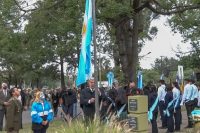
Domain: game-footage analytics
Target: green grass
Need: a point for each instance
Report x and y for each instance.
(59, 126)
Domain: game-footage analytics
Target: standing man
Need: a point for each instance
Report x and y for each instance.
(194, 97)
(13, 112)
(87, 99)
(161, 98)
(177, 108)
(4, 97)
(187, 100)
(198, 96)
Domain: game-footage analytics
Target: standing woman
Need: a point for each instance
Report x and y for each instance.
(177, 107)
(169, 111)
(13, 112)
(41, 113)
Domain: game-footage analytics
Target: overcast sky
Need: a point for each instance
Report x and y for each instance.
(162, 45)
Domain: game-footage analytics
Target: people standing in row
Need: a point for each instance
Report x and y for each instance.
(13, 112)
(41, 113)
(161, 103)
(4, 97)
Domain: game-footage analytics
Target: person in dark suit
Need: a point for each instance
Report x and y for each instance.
(13, 112)
(170, 109)
(87, 100)
(4, 97)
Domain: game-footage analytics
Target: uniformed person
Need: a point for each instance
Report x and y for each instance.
(177, 107)
(161, 104)
(13, 112)
(187, 100)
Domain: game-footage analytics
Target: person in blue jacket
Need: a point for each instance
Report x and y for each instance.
(41, 113)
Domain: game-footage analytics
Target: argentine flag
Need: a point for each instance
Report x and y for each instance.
(84, 68)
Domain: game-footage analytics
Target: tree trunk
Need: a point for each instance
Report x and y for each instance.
(127, 36)
(62, 77)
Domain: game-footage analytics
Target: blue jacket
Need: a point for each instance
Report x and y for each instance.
(41, 112)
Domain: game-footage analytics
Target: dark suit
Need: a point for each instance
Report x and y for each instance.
(152, 97)
(3, 99)
(88, 108)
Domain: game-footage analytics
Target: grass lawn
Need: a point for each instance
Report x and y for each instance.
(55, 127)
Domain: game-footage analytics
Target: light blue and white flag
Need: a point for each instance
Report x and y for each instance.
(110, 77)
(162, 77)
(139, 79)
(84, 68)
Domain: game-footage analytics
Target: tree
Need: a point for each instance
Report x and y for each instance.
(165, 65)
(55, 33)
(128, 22)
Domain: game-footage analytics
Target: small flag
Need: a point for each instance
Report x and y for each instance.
(110, 77)
(177, 78)
(162, 77)
(139, 78)
(84, 68)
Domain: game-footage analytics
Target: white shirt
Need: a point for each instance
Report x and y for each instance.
(161, 93)
(5, 92)
(194, 92)
(187, 93)
(176, 92)
(199, 98)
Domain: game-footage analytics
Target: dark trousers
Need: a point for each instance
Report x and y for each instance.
(154, 123)
(43, 130)
(170, 122)
(189, 108)
(2, 114)
(177, 118)
(163, 117)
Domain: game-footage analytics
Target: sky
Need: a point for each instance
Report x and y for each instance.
(162, 45)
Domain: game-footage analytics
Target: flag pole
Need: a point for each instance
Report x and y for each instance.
(95, 60)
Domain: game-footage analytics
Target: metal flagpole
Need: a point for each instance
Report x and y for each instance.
(95, 60)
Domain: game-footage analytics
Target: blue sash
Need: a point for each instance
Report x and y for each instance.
(177, 101)
(120, 110)
(150, 112)
(166, 112)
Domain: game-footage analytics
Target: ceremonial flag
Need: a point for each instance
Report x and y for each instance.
(162, 77)
(139, 78)
(110, 77)
(181, 77)
(177, 78)
(84, 68)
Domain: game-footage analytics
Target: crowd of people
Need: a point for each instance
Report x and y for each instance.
(164, 99)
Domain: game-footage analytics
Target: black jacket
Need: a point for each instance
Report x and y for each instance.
(88, 109)
(152, 97)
